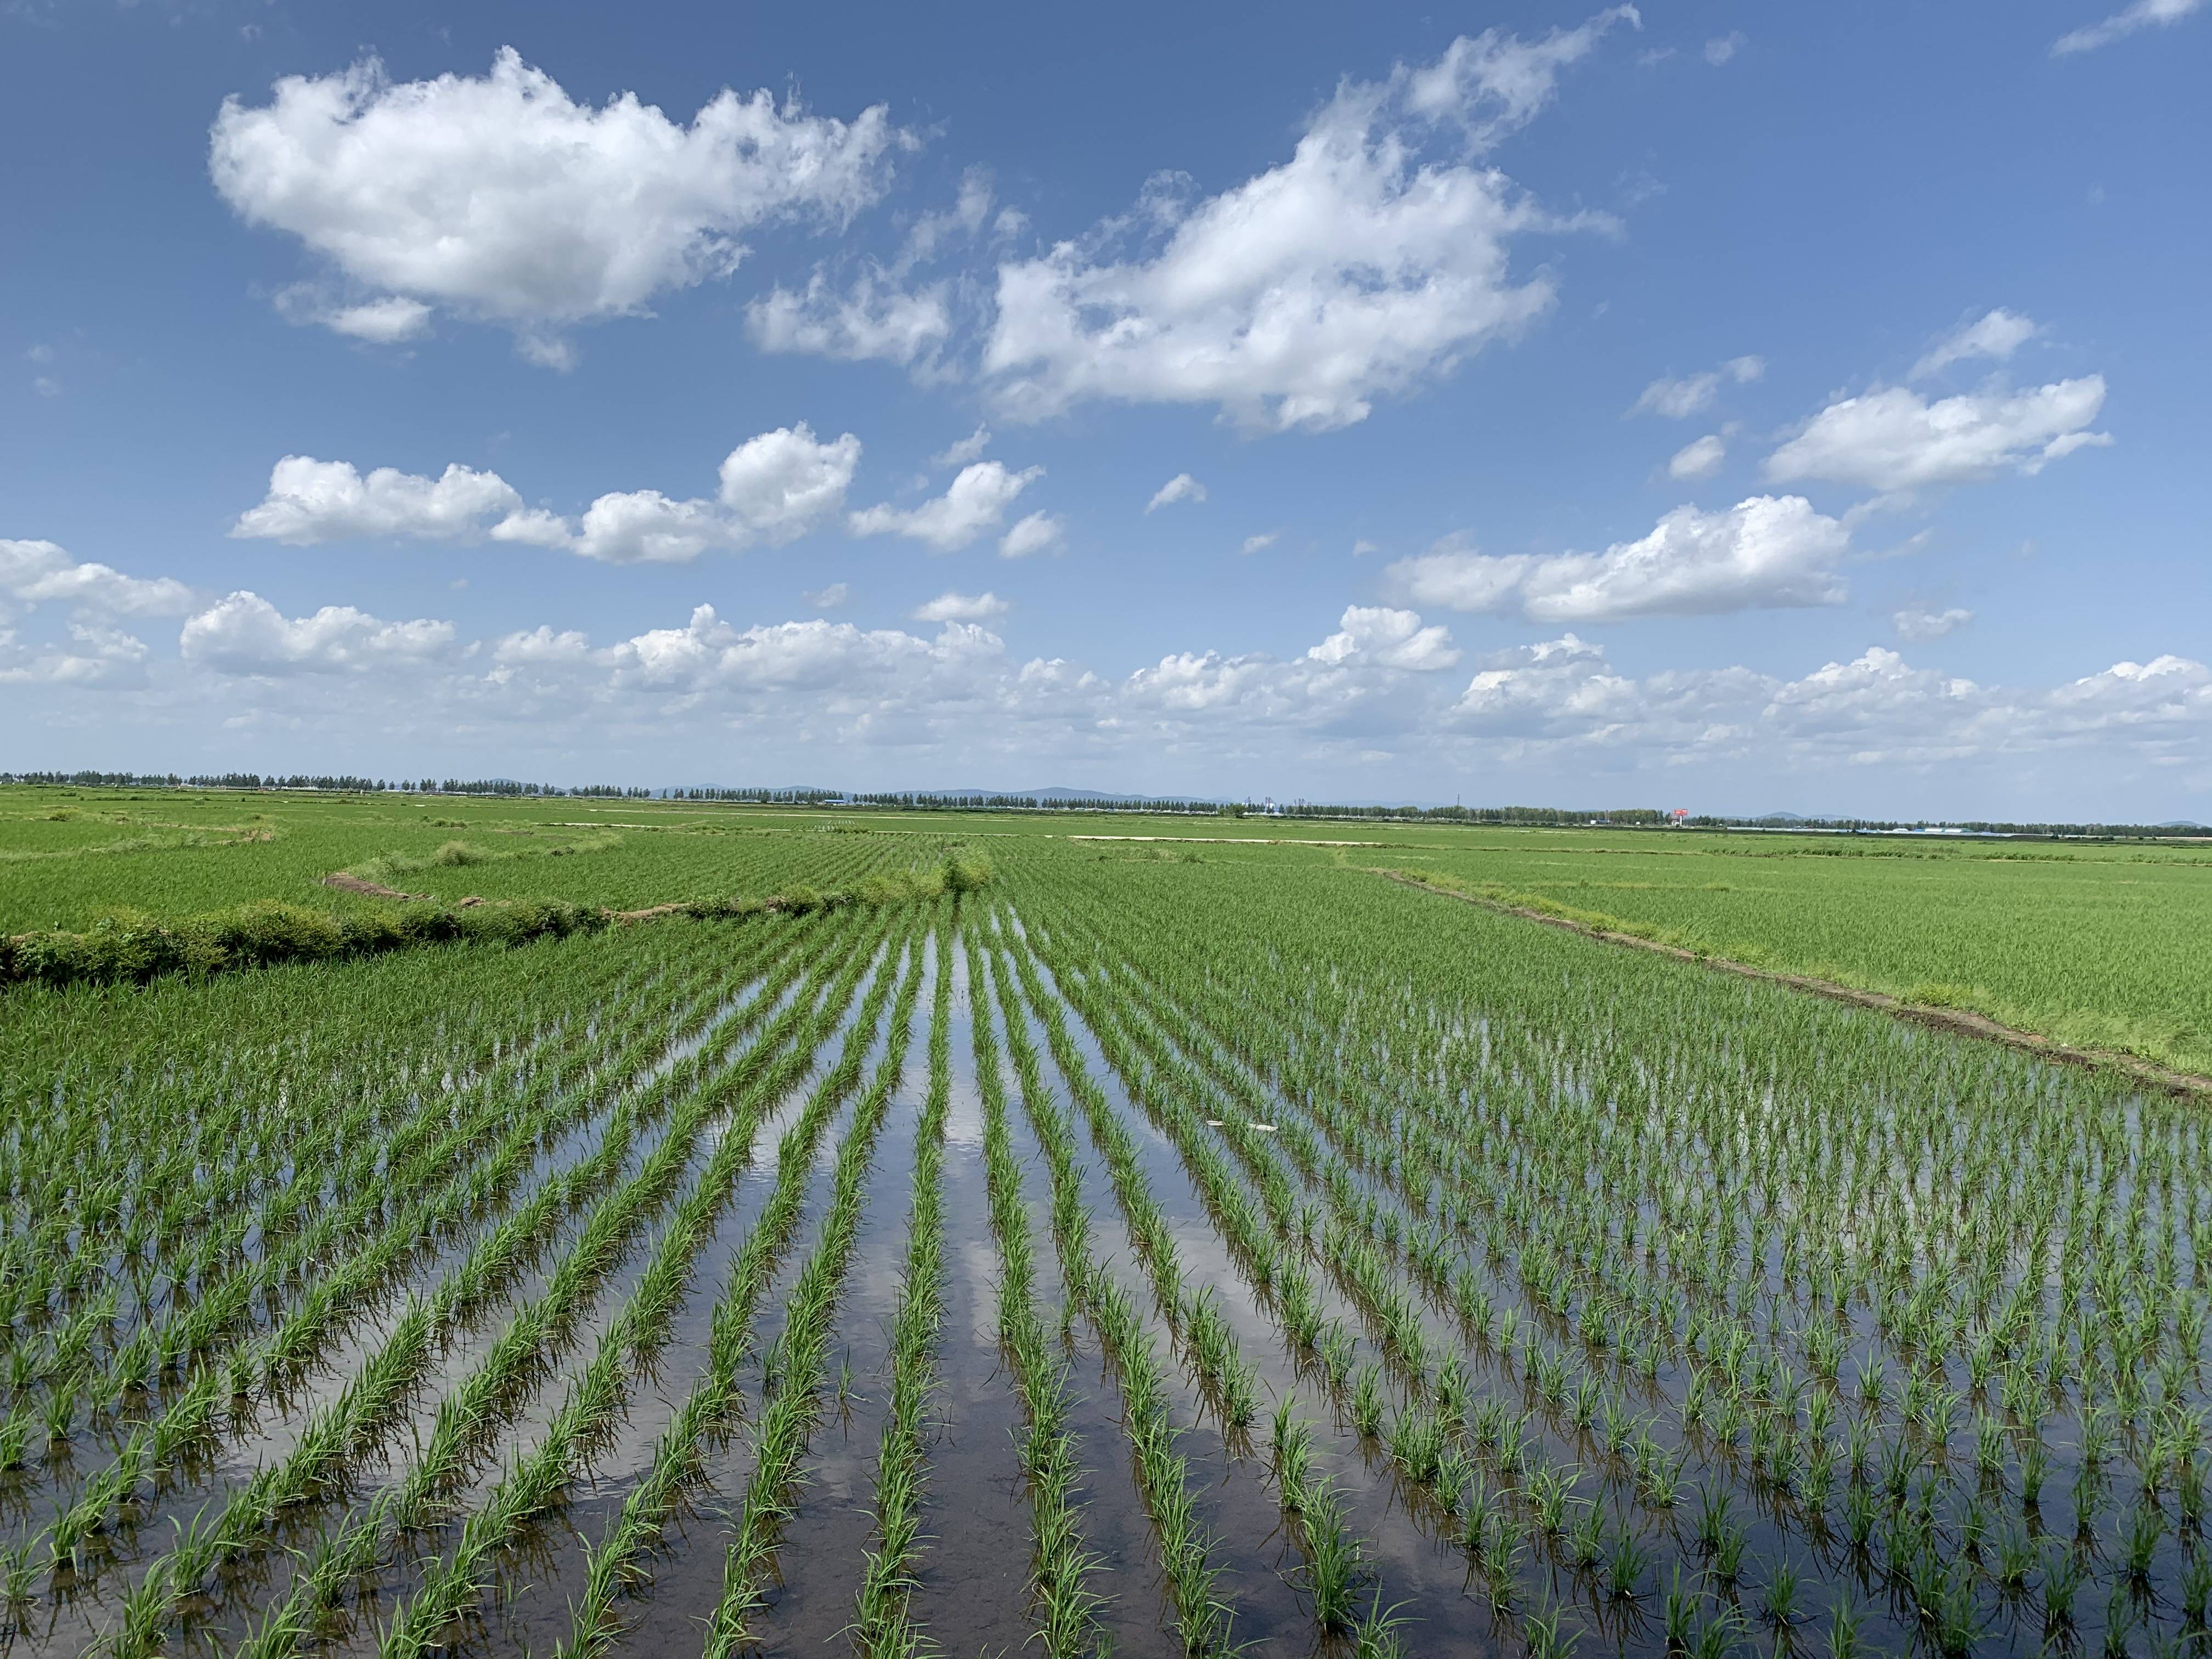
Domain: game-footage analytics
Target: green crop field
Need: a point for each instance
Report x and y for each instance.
(2098, 944)
(936, 1234)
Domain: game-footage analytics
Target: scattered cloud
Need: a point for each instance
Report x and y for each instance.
(1893, 440)
(871, 309)
(969, 448)
(500, 197)
(775, 487)
(1693, 393)
(1698, 459)
(961, 607)
(1919, 626)
(1391, 639)
(35, 573)
(1765, 553)
(872, 318)
(829, 597)
(1721, 48)
(1996, 334)
(1181, 487)
(975, 502)
(1363, 267)
(1262, 541)
(243, 633)
(1037, 533)
(2144, 14)
(379, 321)
(1493, 84)
(1361, 548)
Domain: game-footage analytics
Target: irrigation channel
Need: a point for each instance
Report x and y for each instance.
(1125, 1257)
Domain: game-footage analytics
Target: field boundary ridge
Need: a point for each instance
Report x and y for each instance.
(1959, 1021)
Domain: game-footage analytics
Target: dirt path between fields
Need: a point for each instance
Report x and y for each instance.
(1958, 1021)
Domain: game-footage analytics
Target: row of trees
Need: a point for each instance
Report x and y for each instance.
(1637, 817)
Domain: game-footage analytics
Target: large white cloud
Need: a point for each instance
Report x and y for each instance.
(243, 633)
(1892, 439)
(976, 502)
(311, 500)
(1359, 268)
(35, 573)
(1764, 552)
(775, 487)
(499, 197)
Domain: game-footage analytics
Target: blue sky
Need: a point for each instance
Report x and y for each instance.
(1731, 407)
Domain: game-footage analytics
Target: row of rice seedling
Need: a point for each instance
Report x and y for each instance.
(1204, 1621)
(794, 1364)
(351, 1427)
(882, 1623)
(99, 1519)
(1064, 1571)
(1906, 1207)
(220, 1191)
(535, 1479)
(450, 1183)
(618, 1562)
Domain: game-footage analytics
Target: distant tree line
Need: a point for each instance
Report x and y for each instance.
(1625, 817)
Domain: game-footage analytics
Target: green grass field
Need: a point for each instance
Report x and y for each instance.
(2095, 944)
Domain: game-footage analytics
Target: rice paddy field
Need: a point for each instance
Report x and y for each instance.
(1084, 1246)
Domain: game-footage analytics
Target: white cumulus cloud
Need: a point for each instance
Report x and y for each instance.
(499, 197)
(976, 502)
(243, 633)
(1388, 638)
(1181, 487)
(311, 500)
(1360, 268)
(775, 487)
(33, 573)
(1996, 334)
(1260, 543)
(1766, 552)
(1892, 439)
(782, 484)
